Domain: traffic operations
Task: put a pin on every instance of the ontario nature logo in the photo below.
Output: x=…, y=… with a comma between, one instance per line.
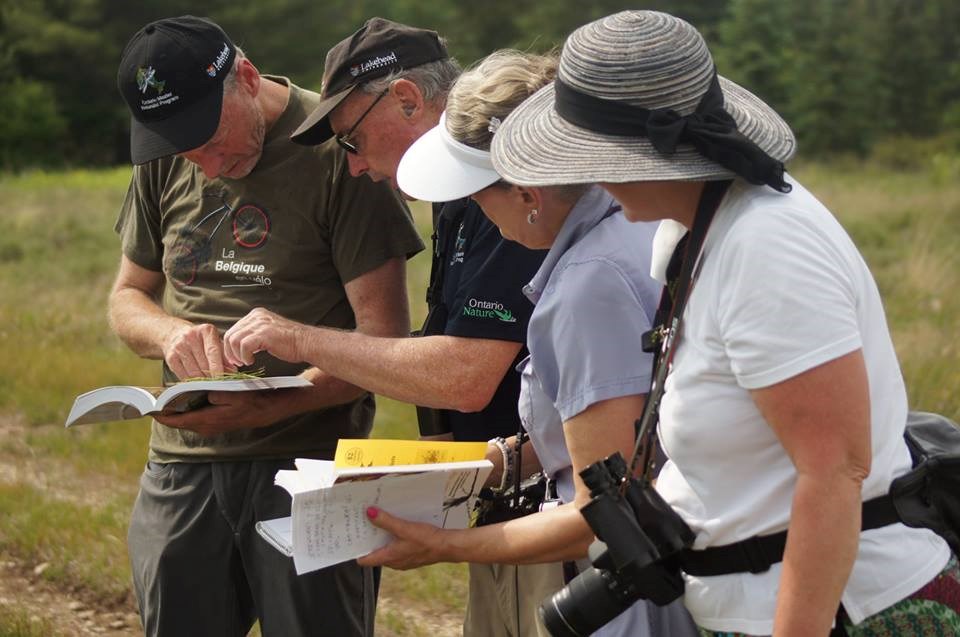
x=476, y=308
x=147, y=78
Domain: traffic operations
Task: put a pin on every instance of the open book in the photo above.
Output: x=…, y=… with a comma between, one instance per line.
x=122, y=402
x=328, y=522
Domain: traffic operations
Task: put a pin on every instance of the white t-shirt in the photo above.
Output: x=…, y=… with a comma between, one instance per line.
x=782, y=290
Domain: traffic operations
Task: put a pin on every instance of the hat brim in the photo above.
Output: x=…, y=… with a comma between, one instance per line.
x=190, y=128
x=433, y=170
x=536, y=147
x=316, y=129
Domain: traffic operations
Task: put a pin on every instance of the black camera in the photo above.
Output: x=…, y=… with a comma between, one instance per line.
x=639, y=537
x=513, y=503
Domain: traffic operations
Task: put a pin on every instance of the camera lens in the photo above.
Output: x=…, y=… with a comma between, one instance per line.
x=585, y=604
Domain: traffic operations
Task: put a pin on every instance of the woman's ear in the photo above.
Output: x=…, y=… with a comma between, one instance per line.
x=532, y=197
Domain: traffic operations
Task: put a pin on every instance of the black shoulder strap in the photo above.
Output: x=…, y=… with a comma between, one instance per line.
x=435, y=288
x=672, y=302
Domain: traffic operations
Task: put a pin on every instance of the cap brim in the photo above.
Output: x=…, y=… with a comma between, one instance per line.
x=190, y=128
x=536, y=147
x=315, y=129
x=433, y=169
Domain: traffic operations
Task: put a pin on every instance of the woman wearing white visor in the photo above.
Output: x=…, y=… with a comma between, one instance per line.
x=585, y=381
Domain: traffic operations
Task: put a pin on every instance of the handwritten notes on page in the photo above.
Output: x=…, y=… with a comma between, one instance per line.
x=331, y=526
x=328, y=514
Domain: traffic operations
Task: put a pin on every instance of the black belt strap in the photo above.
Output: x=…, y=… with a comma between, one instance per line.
x=759, y=553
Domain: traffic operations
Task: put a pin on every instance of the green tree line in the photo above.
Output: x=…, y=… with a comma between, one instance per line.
x=844, y=73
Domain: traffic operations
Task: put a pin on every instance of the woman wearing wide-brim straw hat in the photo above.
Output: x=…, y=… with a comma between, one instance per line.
x=784, y=405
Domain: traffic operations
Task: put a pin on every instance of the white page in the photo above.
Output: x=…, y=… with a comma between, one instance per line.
x=317, y=473
x=331, y=525
x=279, y=533
x=309, y=475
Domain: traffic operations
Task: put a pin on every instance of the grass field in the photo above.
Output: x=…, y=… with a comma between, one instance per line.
x=57, y=259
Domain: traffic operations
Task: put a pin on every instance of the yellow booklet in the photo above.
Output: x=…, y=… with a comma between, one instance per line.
x=385, y=453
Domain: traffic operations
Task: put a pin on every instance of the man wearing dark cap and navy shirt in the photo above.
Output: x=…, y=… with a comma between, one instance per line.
x=384, y=87
x=225, y=214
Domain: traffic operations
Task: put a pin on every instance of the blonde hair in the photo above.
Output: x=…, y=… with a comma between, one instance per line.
x=492, y=88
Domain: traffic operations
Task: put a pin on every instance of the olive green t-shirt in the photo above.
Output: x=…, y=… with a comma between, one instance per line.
x=286, y=237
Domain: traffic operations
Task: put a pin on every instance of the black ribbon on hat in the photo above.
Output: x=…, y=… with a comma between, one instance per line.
x=710, y=129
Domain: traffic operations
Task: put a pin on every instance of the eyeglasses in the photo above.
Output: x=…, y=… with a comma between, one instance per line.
x=344, y=140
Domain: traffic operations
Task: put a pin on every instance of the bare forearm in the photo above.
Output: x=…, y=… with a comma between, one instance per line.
x=140, y=323
x=434, y=371
x=549, y=536
x=821, y=548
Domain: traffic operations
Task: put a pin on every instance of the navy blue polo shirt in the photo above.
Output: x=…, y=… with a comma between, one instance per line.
x=483, y=278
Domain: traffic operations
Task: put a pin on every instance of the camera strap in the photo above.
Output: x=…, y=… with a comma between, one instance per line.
x=682, y=272
x=759, y=553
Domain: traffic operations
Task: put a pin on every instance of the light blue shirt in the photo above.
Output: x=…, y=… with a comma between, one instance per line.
x=594, y=300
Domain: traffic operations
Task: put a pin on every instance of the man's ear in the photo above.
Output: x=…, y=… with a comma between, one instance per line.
x=409, y=98
x=248, y=76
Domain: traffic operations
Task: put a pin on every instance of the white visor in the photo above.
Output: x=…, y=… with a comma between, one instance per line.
x=439, y=168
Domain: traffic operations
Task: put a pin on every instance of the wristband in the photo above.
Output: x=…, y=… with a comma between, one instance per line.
x=507, y=453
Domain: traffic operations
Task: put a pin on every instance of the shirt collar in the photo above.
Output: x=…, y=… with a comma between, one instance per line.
x=593, y=207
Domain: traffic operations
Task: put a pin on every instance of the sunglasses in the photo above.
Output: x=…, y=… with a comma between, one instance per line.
x=344, y=140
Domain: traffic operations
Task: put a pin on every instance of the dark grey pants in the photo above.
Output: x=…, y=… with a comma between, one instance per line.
x=200, y=568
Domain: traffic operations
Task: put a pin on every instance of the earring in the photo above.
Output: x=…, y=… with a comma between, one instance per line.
x=532, y=217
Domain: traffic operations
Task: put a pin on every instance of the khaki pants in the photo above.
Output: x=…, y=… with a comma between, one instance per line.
x=503, y=596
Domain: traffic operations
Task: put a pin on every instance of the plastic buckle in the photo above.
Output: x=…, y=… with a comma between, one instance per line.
x=651, y=339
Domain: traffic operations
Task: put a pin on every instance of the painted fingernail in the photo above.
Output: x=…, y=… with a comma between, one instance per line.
x=372, y=512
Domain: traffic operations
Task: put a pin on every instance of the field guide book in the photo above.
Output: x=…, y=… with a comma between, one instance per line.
x=328, y=522
x=123, y=402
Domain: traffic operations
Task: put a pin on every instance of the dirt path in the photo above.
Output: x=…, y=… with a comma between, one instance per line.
x=22, y=590
x=70, y=613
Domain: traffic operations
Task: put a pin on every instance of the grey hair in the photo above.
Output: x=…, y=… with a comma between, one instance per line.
x=567, y=193
x=230, y=81
x=434, y=79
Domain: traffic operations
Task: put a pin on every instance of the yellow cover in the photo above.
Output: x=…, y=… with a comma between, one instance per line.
x=385, y=453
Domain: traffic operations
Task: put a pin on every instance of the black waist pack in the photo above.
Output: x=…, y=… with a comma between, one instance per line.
x=927, y=496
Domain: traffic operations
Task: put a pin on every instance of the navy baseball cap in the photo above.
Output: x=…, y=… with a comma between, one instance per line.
x=171, y=77
x=378, y=48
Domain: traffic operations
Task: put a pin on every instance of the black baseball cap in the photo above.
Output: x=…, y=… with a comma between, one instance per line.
x=378, y=48
x=171, y=77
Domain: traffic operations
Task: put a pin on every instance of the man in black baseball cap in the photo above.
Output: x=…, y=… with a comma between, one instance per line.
x=224, y=214
x=379, y=48
x=388, y=78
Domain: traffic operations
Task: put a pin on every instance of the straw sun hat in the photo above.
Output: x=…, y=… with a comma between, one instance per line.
x=630, y=59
